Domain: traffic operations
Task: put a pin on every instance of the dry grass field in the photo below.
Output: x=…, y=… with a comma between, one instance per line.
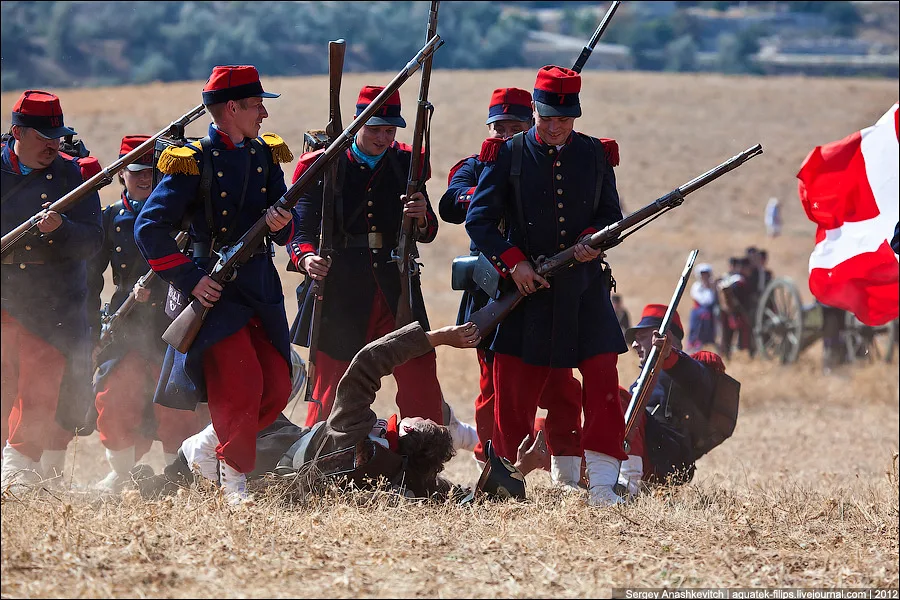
x=805, y=494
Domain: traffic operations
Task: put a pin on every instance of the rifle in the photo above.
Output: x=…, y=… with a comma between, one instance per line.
x=405, y=254
x=586, y=51
x=101, y=179
x=650, y=371
x=184, y=328
x=336, y=51
x=487, y=318
x=114, y=321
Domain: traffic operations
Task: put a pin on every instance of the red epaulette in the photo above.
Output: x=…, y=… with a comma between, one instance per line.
x=89, y=165
x=407, y=148
x=457, y=167
x=612, y=150
x=710, y=359
x=306, y=159
x=490, y=148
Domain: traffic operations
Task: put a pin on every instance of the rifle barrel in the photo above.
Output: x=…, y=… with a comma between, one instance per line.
x=586, y=52
x=100, y=180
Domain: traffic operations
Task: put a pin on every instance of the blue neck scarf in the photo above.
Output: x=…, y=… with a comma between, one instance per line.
x=371, y=161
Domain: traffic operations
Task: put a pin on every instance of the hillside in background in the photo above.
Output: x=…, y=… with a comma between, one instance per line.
x=97, y=43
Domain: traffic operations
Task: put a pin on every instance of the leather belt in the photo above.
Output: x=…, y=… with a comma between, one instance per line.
x=364, y=240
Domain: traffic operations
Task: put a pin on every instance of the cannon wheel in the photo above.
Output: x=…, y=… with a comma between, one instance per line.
x=869, y=343
x=779, y=322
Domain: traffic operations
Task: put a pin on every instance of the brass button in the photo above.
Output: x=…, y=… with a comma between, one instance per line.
x=504, y=269
x=259, y=169
x=563, y=232
x=263, y=190
x=124, y=266
x=252, y=150
x=153, y=304
x=558, y=176
x=562, y=246
x=21, y=265
x=224, y=229
x=215, y=152
x=375, y=264
x=28, y=247
x=43, y=196
x=223, y=194
x=118, y=228
x=374, y=250
x=558, y=164
x=370, y=215
x=362, y=167
x=49, y=175
x=550, y=151
x=224, y=213
x=373, y=228
x=369, y=203
x=562, y=219
x=493, y=258
x=559, y=192
x=559, y=205
x=121, y=211
x=118, y=248
x=49, y=241
x=220, y=173
x=369, y=190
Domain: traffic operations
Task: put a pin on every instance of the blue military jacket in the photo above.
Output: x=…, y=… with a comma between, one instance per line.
x=454, y=204
x=175, y=204
x=44, y=278
x=141, y=329
x=686, y=386
x=370, y=209
x=574, y=319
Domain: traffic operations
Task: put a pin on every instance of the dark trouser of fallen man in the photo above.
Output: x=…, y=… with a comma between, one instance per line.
x=354, y=446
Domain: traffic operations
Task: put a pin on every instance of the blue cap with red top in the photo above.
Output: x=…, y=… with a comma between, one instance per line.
x=233, y=82
x=509, y=104
x=652, y=318
x=42, y=112
x=556, y=92
x=387, y=115
x=129, y=143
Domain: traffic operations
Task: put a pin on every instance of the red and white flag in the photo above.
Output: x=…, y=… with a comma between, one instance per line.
x=851, y=190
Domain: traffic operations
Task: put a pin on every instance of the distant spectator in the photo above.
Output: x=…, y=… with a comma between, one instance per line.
x=621, y=312
x=734, y=315
x=773, y=217
x=702, y=320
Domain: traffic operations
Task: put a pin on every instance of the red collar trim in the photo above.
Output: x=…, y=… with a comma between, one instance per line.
x=393, y=434
x=540, y=141
x=126, y=203
x=226, y=141
x=14, y=160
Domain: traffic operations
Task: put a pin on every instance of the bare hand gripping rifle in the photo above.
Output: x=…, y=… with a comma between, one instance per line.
x=652, y=365
x=406, y=253
x=336, y=52
x=101, y=179
x=586, y=52
x=185, y=327
x=487, y=318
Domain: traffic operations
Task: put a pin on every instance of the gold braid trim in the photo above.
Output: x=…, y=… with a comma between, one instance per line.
x=280, y=151
x=178, y=161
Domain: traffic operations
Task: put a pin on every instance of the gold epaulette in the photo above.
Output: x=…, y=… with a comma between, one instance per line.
x=177, y=160
x=280, y=151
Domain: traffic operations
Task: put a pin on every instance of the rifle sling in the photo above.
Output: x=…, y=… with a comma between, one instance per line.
x=28, y=179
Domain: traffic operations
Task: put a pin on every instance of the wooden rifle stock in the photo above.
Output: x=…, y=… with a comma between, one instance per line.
x=406, y=253
x=185, y=327
x=336, y=52
x=115, y=320
x=587, y=50
x=101, y=179
x=487, y=318
x=652, y=366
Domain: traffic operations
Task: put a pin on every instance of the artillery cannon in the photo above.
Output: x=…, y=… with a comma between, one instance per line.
x=784, y=327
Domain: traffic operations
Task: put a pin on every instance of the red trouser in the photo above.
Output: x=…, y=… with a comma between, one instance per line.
x=418, y=390
x=561, y=398
x=122, y=404
x=518, y=389
x=636, y=437
x=32, y=371
x=248, y=383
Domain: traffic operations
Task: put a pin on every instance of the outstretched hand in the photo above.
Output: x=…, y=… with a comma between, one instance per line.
x=458, y=336
x=529, y=458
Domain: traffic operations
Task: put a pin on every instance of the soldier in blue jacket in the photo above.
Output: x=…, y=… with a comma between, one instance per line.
x=240, y=361
x=362, y=287
x=509, y=113
x=46, y=331
x=566, y=191
x=128, y=368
